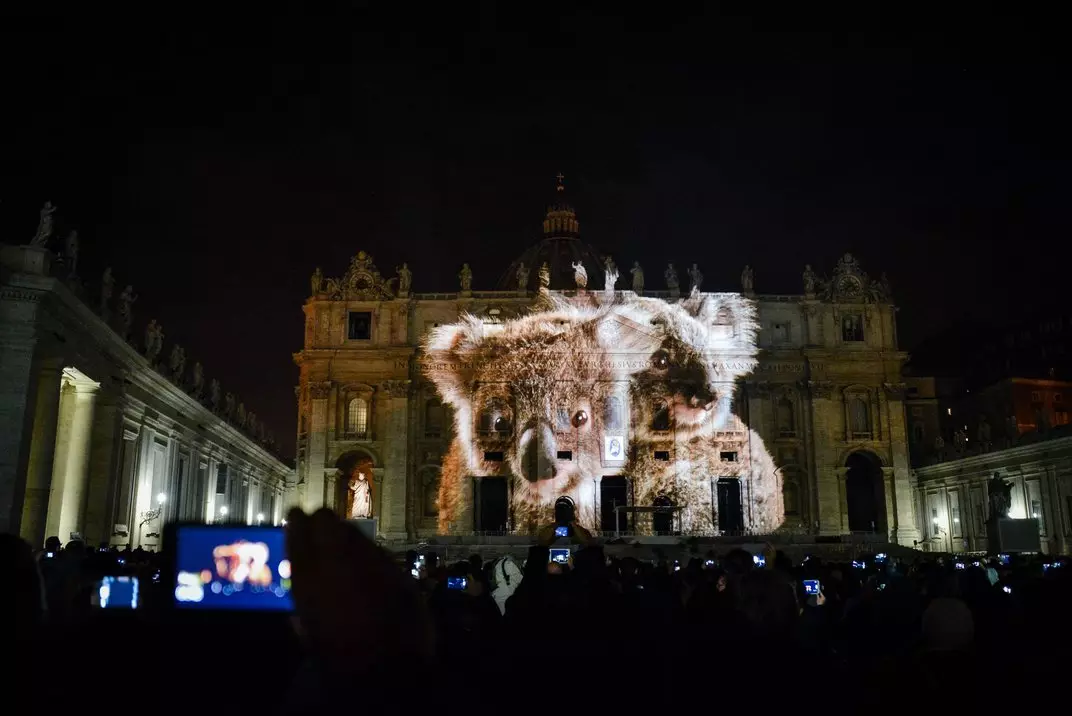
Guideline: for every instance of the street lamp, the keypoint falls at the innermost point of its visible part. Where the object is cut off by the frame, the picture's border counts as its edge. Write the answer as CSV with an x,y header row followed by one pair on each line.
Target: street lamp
x,y
223,510
260,517
161,498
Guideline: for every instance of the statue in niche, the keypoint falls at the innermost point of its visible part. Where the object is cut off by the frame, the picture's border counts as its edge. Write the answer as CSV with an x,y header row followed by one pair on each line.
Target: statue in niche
x,y
70,252
545,276
361,497
229,406
670,274
240,415
199,380
316,281
44,226
465,277
747,279
405,278
1000,494
214,395
696,277
126,312
522,277
580,275
809,280
638,278
107,288
177,363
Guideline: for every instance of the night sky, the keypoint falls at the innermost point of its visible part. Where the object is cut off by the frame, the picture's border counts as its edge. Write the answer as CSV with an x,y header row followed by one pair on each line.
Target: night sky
x,y
215,161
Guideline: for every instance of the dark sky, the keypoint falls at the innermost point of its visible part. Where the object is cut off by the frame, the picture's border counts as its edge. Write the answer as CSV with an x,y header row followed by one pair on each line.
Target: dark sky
x,y
215,161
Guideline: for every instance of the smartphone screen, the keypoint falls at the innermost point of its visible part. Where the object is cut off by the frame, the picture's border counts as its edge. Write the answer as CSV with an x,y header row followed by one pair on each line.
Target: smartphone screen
x,y
561,531
458,583
231,567
559,555
759,560
811,587
116,593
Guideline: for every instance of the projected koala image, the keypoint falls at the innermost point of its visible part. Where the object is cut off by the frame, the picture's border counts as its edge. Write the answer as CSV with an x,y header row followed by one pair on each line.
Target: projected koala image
x,y
605,385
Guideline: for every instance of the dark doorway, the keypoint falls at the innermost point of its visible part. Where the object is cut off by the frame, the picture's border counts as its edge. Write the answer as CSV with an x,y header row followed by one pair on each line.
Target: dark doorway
x,y
864,494
494,507
613,491
662,521
730,514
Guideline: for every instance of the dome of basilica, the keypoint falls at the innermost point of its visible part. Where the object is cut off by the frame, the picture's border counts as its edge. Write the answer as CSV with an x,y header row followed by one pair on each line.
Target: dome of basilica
x,y
559,248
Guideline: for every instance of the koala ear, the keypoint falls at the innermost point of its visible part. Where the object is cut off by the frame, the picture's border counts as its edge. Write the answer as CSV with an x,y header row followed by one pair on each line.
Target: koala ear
x,y
464,335
446,365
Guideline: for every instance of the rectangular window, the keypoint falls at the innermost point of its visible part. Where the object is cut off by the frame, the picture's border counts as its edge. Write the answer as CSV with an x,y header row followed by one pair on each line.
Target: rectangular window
x,y
954,513
728,456
663,455
493,456
1034,502
565,454
852,328
360,326
1035,397
221,480
1060,417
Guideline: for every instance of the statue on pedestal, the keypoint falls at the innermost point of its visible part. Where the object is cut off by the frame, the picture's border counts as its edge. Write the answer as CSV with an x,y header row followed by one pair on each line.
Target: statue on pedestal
x,y
361,496
107,288
670,274
545,276
70,252
44,226
154,340
580,275
214,395
982,434
638,278
809,281
939,448
747,280
696,277
316,281
522,277
126,313
1000,495
229,406
465,277
610,274
240,415
177,363
198,387
405,278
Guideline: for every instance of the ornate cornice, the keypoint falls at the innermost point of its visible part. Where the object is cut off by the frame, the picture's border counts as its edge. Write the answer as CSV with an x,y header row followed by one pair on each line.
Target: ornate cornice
x,y
396,388
894,390
823,389
319,390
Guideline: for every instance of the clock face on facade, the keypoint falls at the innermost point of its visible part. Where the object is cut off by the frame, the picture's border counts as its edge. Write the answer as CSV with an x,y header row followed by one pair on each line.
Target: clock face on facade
x,y
848,285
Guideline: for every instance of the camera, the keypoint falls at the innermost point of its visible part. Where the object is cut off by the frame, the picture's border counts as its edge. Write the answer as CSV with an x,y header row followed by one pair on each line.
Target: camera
x,y
560,556
562,531
116,593
457,583
811,587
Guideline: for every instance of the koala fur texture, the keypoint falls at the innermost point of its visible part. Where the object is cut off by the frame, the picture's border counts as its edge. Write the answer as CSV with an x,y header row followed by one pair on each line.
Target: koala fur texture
x,y
538,390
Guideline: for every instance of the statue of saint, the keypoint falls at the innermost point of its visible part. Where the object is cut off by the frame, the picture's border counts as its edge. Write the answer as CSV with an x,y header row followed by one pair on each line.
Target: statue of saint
x,y
214,394
747,279
696,277
670,274
610,274
316,281
465,276
405,278
150,341
1000,494
44,226
361,497
638,278
545,276
939,448
982,434
106,291
199,380
70,252
177,363
126,313
809,280
522,277
251,423
229,406
580,275
240,415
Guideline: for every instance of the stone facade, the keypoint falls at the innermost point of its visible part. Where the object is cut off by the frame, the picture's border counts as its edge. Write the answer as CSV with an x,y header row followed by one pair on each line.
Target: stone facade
x,y
827,386
100,440
952,499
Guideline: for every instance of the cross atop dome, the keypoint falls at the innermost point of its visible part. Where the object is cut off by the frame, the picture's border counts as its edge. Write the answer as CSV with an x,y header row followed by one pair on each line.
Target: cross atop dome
x,y
561,178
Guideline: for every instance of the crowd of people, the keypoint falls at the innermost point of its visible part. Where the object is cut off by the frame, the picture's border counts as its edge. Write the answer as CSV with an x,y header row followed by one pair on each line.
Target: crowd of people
x,y
623,631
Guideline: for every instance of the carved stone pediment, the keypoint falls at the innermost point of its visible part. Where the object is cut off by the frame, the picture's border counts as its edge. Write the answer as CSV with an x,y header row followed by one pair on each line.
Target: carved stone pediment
x,y
361,282
850,284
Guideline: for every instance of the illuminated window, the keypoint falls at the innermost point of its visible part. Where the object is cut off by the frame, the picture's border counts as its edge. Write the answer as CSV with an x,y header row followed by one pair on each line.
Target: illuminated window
x,y
852,328
1060,417
1035,397
612,413
357,418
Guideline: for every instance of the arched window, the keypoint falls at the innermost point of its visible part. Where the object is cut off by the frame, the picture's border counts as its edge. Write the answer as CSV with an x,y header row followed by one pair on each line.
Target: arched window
x,y
612,413
357,418
660,416
791,496
433,419
786,423
723,325
859,418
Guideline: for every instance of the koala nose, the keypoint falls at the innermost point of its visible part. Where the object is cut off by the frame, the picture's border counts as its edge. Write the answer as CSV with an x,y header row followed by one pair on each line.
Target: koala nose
x,y
541,454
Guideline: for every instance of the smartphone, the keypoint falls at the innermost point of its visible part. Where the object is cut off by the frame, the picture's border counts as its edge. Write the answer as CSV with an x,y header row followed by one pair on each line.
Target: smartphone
x,y
116,593
709,563
959,565
1004,559
859,565
50,555
231,567
458,583
415,573
759,560
559,555
677,566
562,531
1007,590
811,587
880,557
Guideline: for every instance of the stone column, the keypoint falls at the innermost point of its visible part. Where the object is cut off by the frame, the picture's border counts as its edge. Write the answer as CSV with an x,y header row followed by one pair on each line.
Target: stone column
x,y
903,527
17,408
318,446
105,454
597,516
827,495
67,503
842,514
396,460
42,453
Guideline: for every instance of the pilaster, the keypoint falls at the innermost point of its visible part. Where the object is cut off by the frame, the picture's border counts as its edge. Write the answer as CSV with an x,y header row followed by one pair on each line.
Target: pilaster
x,y
105,454
316,460
42,452
67,503
396,451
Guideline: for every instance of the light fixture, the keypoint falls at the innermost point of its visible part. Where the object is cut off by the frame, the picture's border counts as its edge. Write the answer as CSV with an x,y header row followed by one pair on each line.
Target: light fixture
x,y
160,498
284,522
260,517
935,520
223,510
956,520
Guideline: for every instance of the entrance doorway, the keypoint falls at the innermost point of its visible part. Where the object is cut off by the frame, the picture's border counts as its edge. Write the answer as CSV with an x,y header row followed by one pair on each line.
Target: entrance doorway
x,y
494,507
662,521
864,493
613,492
730,514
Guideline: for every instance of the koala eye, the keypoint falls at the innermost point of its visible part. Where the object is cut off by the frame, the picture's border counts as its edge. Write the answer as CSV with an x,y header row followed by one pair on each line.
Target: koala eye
x,y
661,360
580,418
502,425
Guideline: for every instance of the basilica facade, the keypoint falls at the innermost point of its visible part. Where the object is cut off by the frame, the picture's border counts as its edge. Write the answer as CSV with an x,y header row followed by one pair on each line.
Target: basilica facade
x,y
815,385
